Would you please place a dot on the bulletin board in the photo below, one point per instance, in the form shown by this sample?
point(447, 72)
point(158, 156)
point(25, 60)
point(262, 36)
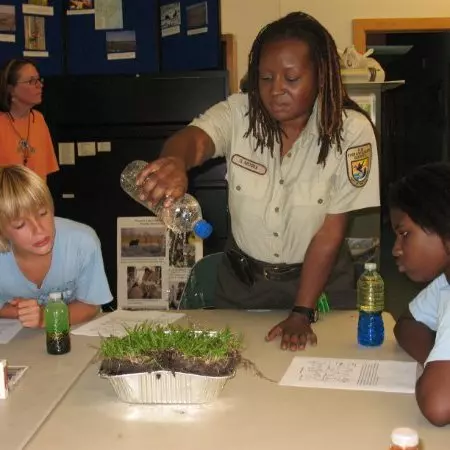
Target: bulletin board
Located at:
point(112, 37)
point(190, 34)
point(32, 30)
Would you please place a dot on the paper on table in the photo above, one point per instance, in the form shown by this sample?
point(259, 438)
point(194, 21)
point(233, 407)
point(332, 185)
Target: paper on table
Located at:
point(353, 374)
point(113, 324)
point(8, 329)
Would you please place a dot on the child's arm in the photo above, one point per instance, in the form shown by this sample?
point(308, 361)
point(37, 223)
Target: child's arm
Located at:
point(82, 312)
point(8, 311)
point(414, 337)
point(433, 392)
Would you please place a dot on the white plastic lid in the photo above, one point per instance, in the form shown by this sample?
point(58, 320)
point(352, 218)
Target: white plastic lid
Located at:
point(370, 266)
point(55, 296)
point(405, 437)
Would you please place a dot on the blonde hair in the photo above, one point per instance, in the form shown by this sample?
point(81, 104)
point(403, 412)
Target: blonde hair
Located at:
point(22, 193)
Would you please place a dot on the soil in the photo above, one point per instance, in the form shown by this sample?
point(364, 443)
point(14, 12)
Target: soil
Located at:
point(173, 361)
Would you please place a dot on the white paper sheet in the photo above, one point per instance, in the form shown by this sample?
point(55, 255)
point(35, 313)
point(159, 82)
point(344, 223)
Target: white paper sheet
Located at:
point(8, 329)
point(108, 15)
point(352, 374)
point(113, 324)
point(66, 153)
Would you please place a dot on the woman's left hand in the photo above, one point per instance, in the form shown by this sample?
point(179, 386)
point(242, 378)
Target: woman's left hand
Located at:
point(295, 332)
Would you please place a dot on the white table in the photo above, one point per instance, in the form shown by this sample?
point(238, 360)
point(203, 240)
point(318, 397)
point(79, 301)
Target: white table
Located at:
point(251, 413)
point(42, 387)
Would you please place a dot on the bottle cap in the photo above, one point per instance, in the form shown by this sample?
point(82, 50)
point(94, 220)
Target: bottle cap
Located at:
point(405, 437)
point(203, 229)
point(55, 296)
point(370, 266)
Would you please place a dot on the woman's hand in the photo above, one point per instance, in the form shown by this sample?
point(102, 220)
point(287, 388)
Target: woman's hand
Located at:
point(295, 332)
point(164, 178)
point(29, 312)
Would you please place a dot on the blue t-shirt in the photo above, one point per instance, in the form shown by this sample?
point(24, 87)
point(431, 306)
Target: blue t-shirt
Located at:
point(76, 269)
point(432, 307)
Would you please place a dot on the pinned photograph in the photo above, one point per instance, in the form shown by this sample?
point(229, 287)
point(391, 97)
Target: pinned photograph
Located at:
point(38, 7)
point(170, 19)
point(197, 19)
point(176, 290)
point(121, 45)
point(182, 250)
point(145, 242)
point(7, 21)
point(80, 5)
point(39, 2)
point(144, 282)
point(34, 33)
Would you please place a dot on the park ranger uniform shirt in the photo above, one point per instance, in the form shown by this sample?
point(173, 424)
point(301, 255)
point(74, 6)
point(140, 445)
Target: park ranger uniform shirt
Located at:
point(277, 205)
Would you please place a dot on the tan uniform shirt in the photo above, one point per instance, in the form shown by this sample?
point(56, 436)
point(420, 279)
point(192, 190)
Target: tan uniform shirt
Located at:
point(277, 206)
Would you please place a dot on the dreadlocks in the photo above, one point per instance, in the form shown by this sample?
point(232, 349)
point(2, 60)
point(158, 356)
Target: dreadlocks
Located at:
point(332, 96)
point(424, 194)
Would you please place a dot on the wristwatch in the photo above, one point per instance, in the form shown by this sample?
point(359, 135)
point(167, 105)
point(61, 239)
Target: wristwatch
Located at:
point(311, 313)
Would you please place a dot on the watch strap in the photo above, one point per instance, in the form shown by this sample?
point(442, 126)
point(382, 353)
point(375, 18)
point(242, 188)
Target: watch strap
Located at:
point(310, 313)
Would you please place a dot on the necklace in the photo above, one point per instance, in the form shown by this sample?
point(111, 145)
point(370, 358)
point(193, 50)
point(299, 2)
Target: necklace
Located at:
point(23, 146)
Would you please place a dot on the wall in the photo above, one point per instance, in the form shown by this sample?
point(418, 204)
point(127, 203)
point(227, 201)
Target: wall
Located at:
point(336, 15)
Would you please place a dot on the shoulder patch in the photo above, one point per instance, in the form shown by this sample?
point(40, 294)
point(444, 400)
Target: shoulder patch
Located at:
point(359, 161)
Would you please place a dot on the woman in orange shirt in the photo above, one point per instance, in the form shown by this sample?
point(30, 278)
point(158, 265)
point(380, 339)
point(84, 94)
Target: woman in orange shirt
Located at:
point(24, 135)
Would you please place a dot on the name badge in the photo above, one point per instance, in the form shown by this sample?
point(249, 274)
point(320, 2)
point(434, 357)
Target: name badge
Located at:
point(245, 163)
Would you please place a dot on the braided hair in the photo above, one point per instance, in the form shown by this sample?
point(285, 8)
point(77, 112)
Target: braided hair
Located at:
point(424, 194)
point(332, 96)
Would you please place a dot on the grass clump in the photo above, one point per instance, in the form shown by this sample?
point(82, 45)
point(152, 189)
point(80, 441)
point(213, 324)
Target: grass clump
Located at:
point(147, 348)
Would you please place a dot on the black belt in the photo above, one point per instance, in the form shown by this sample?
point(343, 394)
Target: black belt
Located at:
point(245, 268)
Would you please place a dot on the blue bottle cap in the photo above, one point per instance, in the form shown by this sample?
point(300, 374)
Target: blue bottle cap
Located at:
point(203, 229)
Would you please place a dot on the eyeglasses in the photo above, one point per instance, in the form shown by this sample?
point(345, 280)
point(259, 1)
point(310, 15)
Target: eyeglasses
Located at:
point(32, 81)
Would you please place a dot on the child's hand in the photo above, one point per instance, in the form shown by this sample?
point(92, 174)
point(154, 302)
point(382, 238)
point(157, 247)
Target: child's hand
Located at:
point(28, 312)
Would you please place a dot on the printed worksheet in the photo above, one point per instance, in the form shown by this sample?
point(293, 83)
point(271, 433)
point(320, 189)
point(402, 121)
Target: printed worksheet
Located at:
point(116, 323)
point(353, 374)
point(8, 329)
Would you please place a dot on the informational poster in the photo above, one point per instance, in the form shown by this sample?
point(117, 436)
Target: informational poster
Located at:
point(170, 19)
point(153, 264)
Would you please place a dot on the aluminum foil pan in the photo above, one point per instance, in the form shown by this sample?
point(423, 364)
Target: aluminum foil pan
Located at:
point(164, 387)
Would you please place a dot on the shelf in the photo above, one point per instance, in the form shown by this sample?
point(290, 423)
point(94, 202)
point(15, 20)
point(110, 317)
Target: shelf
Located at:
point(370, 86)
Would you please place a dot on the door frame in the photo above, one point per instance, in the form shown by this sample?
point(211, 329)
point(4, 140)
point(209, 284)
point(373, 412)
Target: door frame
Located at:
point(362, 27)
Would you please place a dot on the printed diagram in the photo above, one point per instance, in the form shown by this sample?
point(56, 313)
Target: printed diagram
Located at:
point(328, 371)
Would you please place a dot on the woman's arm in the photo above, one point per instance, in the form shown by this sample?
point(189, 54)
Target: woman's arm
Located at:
point(319, 259)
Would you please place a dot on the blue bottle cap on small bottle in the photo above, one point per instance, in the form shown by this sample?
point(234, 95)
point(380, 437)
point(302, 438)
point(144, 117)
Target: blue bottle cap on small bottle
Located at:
point(203, 229)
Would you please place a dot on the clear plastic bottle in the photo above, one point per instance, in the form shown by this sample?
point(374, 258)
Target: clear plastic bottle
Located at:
point(184, 215)
point(370, 303)
point(57, 325)
point(404, 439)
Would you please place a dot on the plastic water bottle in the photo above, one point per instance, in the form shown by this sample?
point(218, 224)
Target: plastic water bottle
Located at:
point(184, 215)
point(57, 325)
point(370, 298)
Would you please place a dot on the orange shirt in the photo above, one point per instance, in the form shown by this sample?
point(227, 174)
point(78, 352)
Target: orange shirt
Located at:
point(43, 161)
